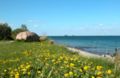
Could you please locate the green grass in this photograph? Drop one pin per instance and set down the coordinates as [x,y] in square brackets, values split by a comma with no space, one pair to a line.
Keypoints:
[39,56]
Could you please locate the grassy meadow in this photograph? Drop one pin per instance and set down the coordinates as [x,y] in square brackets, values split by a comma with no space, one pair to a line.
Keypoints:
[44,60]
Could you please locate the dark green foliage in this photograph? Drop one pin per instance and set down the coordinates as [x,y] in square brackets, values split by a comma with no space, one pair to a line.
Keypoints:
[5,31]
[24,27]
[18,30]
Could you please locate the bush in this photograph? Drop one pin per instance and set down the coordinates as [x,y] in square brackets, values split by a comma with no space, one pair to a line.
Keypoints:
[18,30]
[5,31]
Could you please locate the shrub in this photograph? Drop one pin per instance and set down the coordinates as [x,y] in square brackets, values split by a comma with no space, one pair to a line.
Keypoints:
[18,30]
[5,31]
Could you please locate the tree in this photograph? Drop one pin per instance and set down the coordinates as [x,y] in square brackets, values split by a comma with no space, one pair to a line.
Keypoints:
[24,27]
[5,31]
[18,30]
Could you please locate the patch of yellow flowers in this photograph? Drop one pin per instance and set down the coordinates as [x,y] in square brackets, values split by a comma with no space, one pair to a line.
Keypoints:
[51,65]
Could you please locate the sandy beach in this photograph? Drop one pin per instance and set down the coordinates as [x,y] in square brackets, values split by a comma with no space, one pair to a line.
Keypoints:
[88,54]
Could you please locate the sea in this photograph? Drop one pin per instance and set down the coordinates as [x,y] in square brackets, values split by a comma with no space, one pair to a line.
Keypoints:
[94,44]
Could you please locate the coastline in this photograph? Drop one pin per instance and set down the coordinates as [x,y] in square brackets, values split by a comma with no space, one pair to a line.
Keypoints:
[88,54]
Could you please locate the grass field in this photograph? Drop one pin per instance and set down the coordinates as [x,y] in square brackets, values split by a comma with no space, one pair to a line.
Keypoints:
[44,60]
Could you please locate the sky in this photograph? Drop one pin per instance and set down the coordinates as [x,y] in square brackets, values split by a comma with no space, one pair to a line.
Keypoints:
[63,17]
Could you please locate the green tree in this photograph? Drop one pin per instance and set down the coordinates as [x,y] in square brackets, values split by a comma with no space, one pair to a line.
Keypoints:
[18,30]
[5,31]
[24,27]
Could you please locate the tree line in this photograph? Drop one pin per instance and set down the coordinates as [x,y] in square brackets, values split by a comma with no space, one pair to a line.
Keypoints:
[6,32]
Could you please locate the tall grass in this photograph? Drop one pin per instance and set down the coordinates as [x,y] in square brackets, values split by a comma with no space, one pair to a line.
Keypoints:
[44,60]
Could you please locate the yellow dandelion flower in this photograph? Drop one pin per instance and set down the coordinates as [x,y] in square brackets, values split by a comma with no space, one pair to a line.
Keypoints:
[86,67]
[28,66]
[71,73]
[11,73]
[71,59]
[53,60]
[24,69]
[17,75]
[29,73]
[66,75]
[75,74]
[99,68]
[81,70]
[93,77]
[65,62]
[72,65]
[61,57]
[24,72]
[38,71]
[22,66]
[109,71]
[99,74]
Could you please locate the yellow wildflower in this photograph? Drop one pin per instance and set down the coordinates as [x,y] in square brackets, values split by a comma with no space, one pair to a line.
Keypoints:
[28,66]
[86,67]
[11,73]
[99,74]
[72,65]
[81,70]
[29,73]
[65,62]
[22,66]
[71,73]
[93,77]
[17,75]
[109,71]
[24,69]
[38,71]
[66,75]
[99,67]
[24,72]
[75,74]
[61,57]
[53,60]
[71,59]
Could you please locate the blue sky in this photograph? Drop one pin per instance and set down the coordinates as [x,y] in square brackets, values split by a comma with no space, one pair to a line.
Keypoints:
[61,17]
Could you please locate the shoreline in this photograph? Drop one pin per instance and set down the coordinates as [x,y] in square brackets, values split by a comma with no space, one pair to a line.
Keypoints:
[88,54]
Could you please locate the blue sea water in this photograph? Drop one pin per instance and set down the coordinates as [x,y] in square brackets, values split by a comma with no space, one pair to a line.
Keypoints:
[94,44]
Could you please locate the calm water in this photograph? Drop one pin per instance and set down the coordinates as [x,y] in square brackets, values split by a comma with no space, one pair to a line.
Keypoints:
[94,44]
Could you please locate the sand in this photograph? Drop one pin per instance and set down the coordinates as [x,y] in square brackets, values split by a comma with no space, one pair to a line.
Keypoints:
[88,54]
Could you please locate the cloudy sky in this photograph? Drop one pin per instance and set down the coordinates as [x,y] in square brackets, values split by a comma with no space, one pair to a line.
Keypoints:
[63,17]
